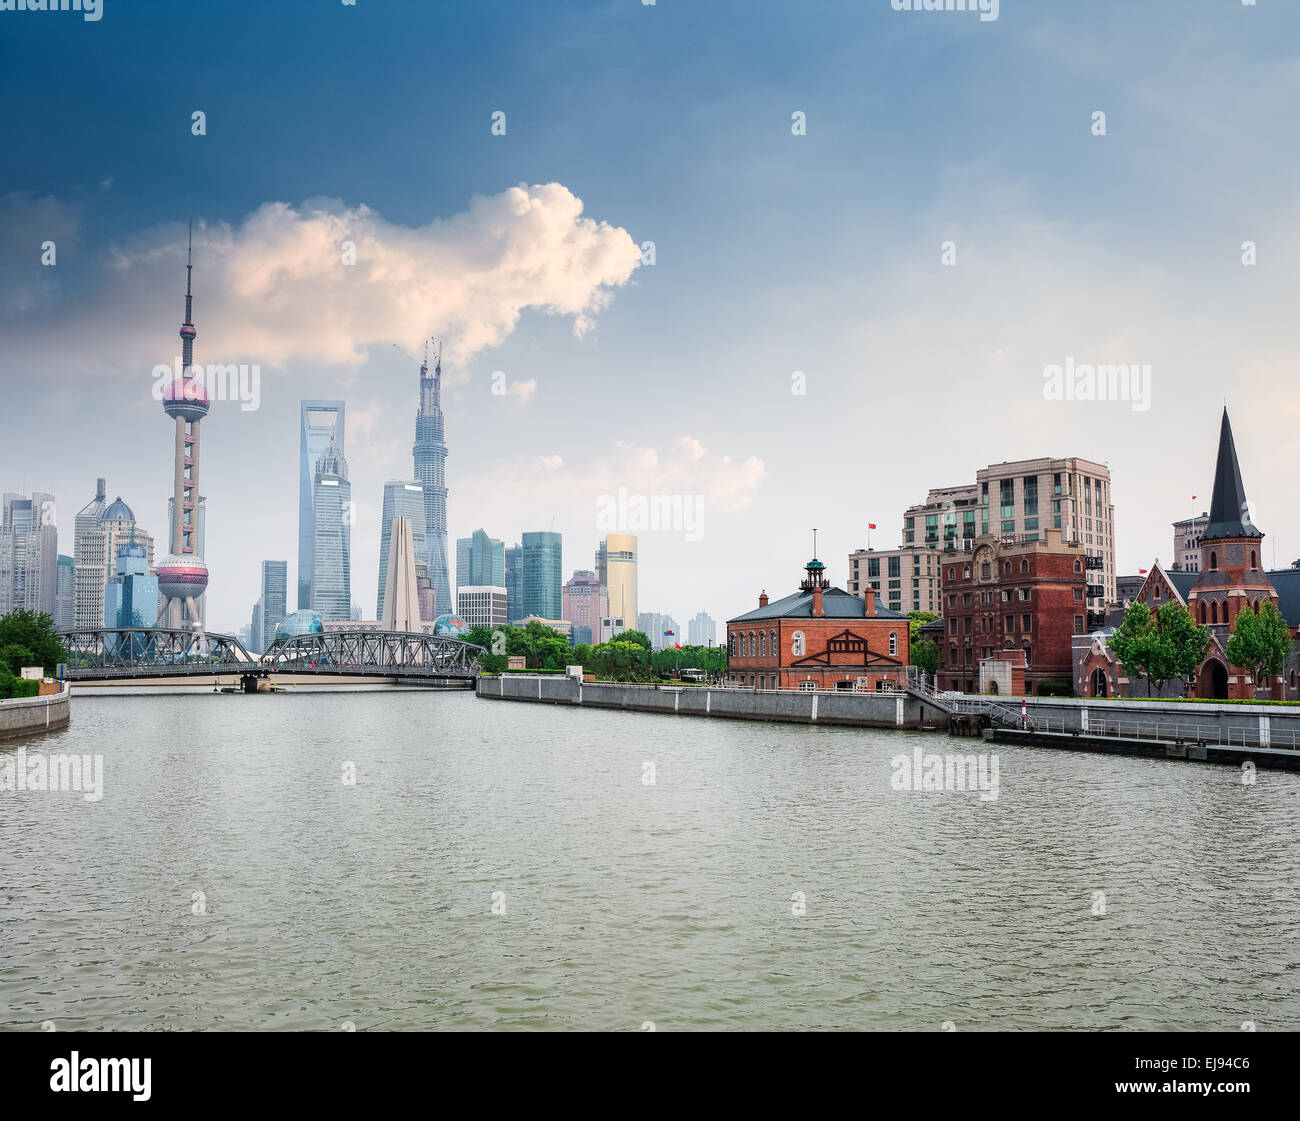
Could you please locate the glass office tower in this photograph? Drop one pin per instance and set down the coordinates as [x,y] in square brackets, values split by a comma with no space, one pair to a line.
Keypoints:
[331,564]
[543,580]
[320,423]
[402,499]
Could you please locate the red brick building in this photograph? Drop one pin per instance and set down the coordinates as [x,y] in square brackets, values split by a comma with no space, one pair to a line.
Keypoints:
[1026,593]
[1230,579]
[818,638]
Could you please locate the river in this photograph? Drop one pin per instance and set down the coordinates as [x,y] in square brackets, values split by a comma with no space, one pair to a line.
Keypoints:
[502,865]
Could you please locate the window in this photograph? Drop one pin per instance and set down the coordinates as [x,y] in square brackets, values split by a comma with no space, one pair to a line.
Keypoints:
[1202,611]
[1024,564]
[1214,561]
[895,567]
[1078,565]
[808,686]
[1078,624]
[1006,568]
[797,645]
[893,644]
[762,645]
[1023,595]
[873,568]
[1078,595]
[986,571]
[952,626]
[753,651]
[731,644]
[1026,622]
[1214,612]
[965,573]
[1253,563]
[952,574]
[771,643]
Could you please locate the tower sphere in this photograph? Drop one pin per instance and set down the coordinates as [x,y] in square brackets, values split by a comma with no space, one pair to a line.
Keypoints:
[186,397]
[182,576]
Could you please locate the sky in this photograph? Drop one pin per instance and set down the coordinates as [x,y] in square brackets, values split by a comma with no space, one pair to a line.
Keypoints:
[792,265]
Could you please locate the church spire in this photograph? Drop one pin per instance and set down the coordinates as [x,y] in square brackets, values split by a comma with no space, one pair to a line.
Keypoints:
[1229,510]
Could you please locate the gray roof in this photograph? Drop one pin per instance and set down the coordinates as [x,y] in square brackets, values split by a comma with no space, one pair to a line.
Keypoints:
[836,603]
[1229,511]
[1182,581]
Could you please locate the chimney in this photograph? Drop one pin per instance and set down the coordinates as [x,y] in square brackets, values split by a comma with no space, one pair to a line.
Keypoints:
[818,611]
[869,600]
[762,598]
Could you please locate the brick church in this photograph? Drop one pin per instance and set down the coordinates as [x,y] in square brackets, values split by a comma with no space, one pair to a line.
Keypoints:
[1231,579]
[819,638]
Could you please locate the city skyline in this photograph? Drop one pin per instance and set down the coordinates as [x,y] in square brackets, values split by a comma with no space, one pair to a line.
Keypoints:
[845,286]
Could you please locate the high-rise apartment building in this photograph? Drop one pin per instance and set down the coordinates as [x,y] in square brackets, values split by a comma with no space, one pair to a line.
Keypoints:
[331,548]
[481,606]
[905,580]
[320,424]
[29,554]
[1023,499]
[616,569]
[1187,543]
[660,629]
[584,606]
[543,577]
[403,498]
[702,630]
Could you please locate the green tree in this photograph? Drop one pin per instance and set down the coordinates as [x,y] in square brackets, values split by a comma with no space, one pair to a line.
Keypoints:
[638,638]
[1260,643]
[35,635]
[925,655]
[1168,645]
[918,619]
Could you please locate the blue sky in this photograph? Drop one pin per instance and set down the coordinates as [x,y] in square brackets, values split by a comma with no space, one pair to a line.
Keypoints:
[775,253]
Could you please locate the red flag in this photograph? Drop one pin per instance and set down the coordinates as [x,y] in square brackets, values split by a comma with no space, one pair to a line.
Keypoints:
[1193,498]
[871,525]
[1142,571]
[677,645]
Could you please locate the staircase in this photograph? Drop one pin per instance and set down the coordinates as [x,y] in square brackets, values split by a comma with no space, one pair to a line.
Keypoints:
[954,704]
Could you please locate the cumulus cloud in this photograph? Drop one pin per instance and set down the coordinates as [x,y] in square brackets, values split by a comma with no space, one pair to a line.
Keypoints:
[522,391]
[280,285]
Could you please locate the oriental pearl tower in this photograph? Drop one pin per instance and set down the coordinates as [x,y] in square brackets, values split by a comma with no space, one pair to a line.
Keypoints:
[182,575]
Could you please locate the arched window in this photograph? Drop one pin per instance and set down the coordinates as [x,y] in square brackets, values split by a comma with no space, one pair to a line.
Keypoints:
[1214,613]
[893,644]
[762,645]
[771,643]
[1202,611]
[1257,607]
[796,644]
[753,645]
[1078,565]
[966,573]
[1254,564]
[1214,561]
[952,574]
[731,645]
[1028,651]
[1024,564]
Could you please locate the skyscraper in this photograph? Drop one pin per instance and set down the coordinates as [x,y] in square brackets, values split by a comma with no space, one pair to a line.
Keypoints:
[29,554]
[543,575]
[514,583]
[403,498]
[65,595]
[131,593]
[320,423]
[95,557]
[584,606]
[702,630]
[480,561]
[182,574]
[617,572]
[331,547]
[430,452]
[275,597]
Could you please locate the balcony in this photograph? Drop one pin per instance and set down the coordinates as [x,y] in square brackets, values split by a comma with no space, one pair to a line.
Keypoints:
[1095,591]
[1093,563]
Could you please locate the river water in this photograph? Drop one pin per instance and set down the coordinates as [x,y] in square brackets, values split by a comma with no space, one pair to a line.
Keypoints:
[501,865]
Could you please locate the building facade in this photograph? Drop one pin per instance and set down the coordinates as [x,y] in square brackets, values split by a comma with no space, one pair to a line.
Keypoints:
[702,630]
[480,560]
[95,559]
[482,606]
[543,575]
[584,606]
[616,569]
[950,518]
[1014,594]
[275,596]
[403,498]
[65,595]
[320,424]
[131,597]
[29,554]
[514,583]
[1187,543]
[662,630]
[819,638]
[331,547]
[906,579]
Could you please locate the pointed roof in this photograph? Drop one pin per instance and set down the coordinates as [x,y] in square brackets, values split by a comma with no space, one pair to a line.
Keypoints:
[1229,511]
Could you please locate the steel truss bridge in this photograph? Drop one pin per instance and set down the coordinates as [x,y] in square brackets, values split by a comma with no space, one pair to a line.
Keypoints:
[116,654]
